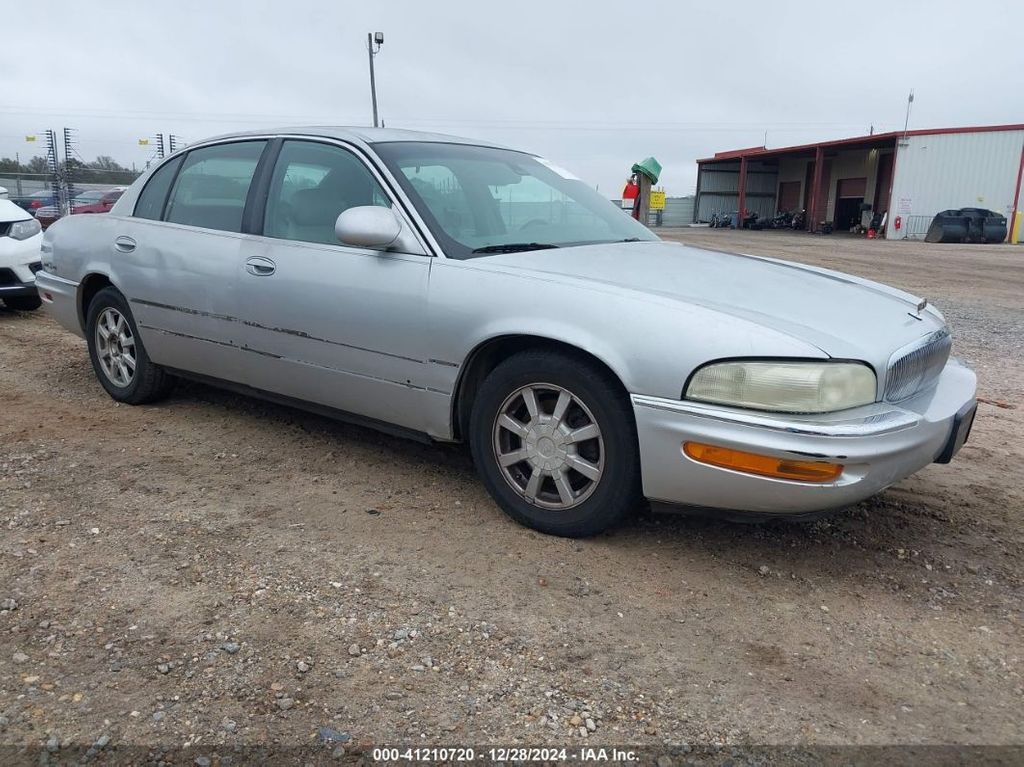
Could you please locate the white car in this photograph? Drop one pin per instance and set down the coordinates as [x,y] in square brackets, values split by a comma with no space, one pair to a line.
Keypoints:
[20,238]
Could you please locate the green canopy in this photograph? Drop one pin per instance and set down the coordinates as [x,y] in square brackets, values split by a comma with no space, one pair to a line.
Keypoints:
[650,168]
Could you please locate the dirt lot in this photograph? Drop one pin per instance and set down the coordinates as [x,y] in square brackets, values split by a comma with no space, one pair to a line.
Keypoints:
[216,571]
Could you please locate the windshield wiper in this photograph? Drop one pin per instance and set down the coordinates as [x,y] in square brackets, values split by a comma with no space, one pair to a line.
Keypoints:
[514,247]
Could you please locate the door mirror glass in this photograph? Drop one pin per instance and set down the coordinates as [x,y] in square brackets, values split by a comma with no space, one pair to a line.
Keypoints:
[368,226]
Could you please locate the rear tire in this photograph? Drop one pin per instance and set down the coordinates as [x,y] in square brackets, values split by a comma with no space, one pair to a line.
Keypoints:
[118,357]
[23,303]
[554,440]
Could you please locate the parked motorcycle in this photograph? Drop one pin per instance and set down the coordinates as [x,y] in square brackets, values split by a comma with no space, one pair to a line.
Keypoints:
[783,220]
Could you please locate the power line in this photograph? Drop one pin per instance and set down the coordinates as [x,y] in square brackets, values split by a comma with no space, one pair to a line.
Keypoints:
[511,123]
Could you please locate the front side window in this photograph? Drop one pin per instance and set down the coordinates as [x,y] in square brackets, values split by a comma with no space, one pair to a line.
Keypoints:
[478,200]
[211,188]
[311,186]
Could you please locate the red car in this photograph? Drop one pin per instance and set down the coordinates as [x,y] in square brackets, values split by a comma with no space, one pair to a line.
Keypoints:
[92,201]
[97,201]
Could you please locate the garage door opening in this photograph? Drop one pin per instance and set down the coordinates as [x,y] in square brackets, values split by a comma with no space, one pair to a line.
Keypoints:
[789,197]
[849,198]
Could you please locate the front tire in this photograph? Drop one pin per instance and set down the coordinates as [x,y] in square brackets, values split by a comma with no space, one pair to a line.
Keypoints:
[554,440]
[118,357]
[23,303]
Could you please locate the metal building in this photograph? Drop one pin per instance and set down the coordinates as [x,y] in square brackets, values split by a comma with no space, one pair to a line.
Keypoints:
[910,175]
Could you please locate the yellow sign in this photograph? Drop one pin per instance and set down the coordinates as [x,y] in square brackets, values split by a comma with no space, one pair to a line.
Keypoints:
[143,142]
[30,138]
[657,200]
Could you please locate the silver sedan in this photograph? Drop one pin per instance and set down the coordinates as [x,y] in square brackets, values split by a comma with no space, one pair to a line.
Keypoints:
[450,290]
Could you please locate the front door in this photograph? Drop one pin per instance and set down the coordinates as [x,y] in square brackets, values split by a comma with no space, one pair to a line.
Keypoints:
[327,323]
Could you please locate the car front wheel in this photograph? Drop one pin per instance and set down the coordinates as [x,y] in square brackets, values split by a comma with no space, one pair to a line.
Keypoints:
[118,357]
[554,440]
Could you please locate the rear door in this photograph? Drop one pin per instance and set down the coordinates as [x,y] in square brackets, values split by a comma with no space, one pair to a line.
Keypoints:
[329,323]
[178,258]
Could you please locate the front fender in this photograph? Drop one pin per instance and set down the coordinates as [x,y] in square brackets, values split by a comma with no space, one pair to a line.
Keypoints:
[652,343]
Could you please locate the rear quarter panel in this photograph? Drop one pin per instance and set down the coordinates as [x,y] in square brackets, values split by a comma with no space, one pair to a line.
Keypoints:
[82,245]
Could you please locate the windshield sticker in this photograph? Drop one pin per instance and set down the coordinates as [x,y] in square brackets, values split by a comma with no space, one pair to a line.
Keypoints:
[560,171]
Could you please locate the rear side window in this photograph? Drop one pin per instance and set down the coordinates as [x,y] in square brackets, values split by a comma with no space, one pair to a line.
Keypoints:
[151,202]
[211,188]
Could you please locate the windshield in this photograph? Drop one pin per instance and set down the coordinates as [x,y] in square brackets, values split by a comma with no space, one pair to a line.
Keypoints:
[478,200]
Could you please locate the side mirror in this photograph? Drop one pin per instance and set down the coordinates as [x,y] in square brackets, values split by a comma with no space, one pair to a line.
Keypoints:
[368,226]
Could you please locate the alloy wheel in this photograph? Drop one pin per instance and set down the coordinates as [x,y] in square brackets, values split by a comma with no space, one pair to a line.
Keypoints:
[548,446]
[115,347]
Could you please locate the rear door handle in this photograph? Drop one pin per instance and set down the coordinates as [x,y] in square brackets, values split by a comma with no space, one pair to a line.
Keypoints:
[260,267]
[124,244]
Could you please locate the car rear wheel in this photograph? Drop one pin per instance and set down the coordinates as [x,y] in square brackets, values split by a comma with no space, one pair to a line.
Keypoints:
[118,357]
[554,440]
[23,303]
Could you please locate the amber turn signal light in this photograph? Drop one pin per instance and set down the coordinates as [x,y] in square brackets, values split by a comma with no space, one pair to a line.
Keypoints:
[762,465]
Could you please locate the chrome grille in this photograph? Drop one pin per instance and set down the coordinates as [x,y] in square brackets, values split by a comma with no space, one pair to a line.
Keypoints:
[916,366]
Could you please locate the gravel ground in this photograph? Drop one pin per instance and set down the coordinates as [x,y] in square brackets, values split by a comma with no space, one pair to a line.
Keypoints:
[216,572]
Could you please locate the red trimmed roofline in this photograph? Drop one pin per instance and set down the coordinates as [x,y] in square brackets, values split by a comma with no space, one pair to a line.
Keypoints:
[879,138]
[740,152]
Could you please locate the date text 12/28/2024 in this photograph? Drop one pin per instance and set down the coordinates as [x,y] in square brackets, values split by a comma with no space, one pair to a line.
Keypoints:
[501,754]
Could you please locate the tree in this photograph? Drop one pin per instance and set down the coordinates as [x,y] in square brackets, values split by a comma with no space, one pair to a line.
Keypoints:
[106,162]
[36,165]
[103,170]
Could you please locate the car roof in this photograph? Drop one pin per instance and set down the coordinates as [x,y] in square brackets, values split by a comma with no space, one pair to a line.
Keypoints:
[360,135]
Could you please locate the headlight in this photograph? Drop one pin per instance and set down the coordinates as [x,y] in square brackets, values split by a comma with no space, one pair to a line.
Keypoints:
[22,230]
[785,387]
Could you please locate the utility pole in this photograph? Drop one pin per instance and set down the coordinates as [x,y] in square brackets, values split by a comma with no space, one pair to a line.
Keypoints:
[160,145]
[53,163]
[374,40]
[69,176]
[906,123]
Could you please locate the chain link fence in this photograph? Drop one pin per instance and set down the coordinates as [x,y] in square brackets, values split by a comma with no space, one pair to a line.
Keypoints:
[20,185]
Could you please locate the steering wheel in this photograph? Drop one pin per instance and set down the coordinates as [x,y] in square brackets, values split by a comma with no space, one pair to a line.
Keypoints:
[532,223]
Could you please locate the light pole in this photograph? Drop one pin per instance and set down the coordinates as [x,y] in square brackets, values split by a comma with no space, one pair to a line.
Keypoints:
[373,43]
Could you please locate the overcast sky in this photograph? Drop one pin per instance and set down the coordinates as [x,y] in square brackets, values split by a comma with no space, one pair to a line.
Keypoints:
[593,86]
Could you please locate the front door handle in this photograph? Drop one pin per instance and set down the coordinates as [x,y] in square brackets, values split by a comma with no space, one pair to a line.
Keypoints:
[124,244]
[260,267]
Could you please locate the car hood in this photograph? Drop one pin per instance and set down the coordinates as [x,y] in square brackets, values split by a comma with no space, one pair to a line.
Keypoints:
[10,212]
[844,316]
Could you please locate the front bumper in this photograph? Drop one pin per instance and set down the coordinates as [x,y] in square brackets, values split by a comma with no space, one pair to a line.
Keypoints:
[19,262]
[18,280]
[878,445]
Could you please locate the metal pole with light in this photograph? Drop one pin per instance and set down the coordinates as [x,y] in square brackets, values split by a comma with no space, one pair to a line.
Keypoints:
[906,123]
[373,43]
